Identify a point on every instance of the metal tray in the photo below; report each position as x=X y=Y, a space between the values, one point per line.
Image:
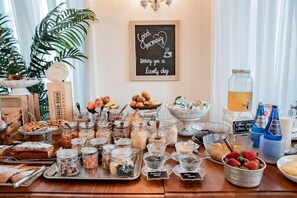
x=12 y=160
x=98 y=173
x=25 y=184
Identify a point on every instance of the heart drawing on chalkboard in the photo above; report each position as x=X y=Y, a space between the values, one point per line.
x=161 y=38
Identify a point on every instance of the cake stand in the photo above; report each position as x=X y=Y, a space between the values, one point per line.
x=18 y=87
x=187 y=117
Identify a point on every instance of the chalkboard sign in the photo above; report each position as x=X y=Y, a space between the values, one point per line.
x=154 y=51
x=242 y=126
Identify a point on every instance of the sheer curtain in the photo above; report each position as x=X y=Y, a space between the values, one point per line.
x=260 y=36
x=24 y=16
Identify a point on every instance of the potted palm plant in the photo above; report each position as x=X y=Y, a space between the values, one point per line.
x=57 y=38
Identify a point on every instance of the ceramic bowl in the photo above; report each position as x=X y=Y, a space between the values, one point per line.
x=201 y=129
x=284 y=160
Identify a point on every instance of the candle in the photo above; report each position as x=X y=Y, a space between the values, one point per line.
x=287 y=127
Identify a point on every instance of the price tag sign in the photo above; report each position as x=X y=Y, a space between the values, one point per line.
x=157 y=175
x=191 y=176
x=242 y=126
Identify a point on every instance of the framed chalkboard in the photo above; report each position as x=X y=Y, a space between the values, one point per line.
x=154 y=50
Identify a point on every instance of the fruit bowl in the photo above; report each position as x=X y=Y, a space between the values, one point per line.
x=243 y=177
x=216 y=148
x=147 y=107
x=19 y=86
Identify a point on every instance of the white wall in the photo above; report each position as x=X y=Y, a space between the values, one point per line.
x=108 y=50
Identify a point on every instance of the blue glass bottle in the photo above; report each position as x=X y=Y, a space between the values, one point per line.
x=260 y=120
x=273 y=129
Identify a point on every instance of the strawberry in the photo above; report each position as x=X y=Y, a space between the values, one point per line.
x=252 y=165
x=233 y=162
x=249 y=154
x=233 y=154
x=261 y=166
x=256 y=160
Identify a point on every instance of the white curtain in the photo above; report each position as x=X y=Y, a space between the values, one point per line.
x=260 y=36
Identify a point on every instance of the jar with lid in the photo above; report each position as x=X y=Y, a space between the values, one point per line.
x=98 y=143
x=123 y=143
x=87 y=130
x=121 y=163
x=121 y=130
x=78 y=143
x=139 y=135
x=104 y=129
x=70 y=131
x=90 y=157
x=67 y=162
x=106 y=155
x=240 y=90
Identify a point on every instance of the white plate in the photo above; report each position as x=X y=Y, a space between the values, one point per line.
x=206 y=154
x=283 y=161
x=178 y=170
x=166 y=167
x=57 y=72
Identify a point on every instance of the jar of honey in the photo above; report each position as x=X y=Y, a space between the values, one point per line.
x=240 y=90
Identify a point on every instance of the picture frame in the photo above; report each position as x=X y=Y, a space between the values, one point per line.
x=154 y=50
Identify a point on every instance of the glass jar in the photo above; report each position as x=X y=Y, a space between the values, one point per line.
x=121 y=130
x=240 y=90
x=114 y=114
x=83 y=117
x=98 y=143
x=139 y=135
x=87 y=130
x=171 y=131
x=67 y=162
x=154 y=135
x=70 y=131
x=104 y=129
x=121 y=161
x=77 y=143
x=133 y=116
x=123 y=143
x=106 y=155
x=90 y=157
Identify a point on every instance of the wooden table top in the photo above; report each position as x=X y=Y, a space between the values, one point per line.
x=273 y=184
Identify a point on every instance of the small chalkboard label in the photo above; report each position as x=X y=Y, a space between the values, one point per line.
x=124 y=170
x=157 y=175
x=242 y=126
x=191 y=176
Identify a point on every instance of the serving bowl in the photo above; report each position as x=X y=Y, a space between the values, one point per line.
x=243 y=177
x=154 y=162
x=184 y=148
x=156 y=149
x=284 y=160
x=19 y=86
x=215 y=146
x=201 y=129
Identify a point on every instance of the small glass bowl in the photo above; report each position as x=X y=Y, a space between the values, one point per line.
x=184 y=148
x=154 y=162
x=156 y=149
x=190 y=162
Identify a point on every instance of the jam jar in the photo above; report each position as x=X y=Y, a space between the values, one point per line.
x=106 y=155
x=90 y=157
x=87 y=129
x=78 y=143
x=70 y=131
x=67 y=162
x=121 y=163
x=139 y=135
x=104 y=129
x=98 y=143
x=121 y=130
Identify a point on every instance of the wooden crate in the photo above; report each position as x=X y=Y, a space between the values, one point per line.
x=22 y=103
x=13 y=121
x=60 y=100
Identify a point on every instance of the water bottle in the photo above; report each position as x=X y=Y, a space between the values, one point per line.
x=273 y=130
x=260 y=120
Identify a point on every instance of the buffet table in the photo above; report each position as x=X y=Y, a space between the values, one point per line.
x=273 y=184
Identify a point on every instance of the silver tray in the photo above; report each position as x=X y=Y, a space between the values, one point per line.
x=98 y=173
x=12 y=160
x=25 y=184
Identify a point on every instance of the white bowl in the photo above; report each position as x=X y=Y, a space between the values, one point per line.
x=284 y=160
x=19 y=86
x=185 y=113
